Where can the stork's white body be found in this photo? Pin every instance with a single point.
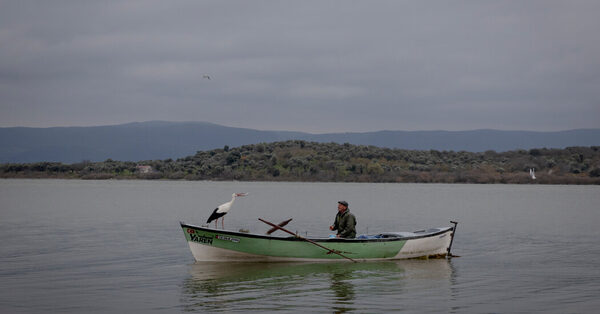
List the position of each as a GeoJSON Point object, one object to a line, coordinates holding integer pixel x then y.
{"type": "Point", "coordinates": [222, 209]}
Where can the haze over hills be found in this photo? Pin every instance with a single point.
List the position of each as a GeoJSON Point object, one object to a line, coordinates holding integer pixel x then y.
{"type": "Point", "coordinates": [162, 140]}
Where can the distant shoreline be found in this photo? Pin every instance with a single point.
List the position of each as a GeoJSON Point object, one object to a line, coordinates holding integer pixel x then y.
{"type": "Point", "coordinates": [108, 177]}
{"type": "Point", "coordinates": [300, 161]}
{"type": "Point", "coordinates": [565, 183]}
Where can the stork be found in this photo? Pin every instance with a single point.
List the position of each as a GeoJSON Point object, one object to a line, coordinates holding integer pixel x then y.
{"type": "Point", "coordinates": [222, 209]}
{"type": "Point", "coordinates": [532, 173]}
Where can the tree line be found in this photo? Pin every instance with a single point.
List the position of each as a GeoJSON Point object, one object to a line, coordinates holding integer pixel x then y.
{"type": "Point", "coordinates": [296, 160]}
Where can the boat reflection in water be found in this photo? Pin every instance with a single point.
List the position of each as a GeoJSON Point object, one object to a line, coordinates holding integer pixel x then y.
{"type": "Point", "coordinates": [333, 286]}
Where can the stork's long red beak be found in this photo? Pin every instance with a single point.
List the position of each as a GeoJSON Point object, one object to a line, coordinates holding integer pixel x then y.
{"type": "Point", "coordinates": [241, 194]}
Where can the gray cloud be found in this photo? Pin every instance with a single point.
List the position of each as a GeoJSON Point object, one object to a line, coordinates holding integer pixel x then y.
{"type": "Point", "coordinates": [313, 66]}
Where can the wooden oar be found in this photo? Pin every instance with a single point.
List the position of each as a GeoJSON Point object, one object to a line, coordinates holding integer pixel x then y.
{"type": "Point", "coordinates": [281, 224]}
{"type": "Point", "coordinates": [305, 239]}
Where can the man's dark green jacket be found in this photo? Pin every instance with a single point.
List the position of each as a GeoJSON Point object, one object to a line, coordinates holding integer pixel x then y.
{"type": "Point", "coordinates": [345, 224]}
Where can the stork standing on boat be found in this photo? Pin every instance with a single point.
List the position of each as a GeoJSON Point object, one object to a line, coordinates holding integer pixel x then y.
{"type": "Point", "coordinates": [222, 209]}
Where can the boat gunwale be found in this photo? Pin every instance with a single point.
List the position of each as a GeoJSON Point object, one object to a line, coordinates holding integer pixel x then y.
{"type": "Point", "coordinates": [329, 240]}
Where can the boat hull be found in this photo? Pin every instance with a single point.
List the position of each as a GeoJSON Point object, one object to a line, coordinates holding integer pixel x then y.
{"type": "Point", "coordinates": [209, 244]}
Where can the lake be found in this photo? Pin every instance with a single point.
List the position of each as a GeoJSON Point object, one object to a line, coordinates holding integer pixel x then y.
{"type": "Point", "coordinates": [73, 246]}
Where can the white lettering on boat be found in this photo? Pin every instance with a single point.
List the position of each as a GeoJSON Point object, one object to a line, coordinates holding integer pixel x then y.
{"type": "Point", "coordinates": [226, 238]}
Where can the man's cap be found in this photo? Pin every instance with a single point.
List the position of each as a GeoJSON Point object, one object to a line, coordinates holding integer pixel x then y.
{"type": "Point", "coordinates": [343, 203]}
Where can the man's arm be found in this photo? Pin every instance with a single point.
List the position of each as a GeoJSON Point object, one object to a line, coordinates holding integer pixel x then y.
{"type": "Point", "coordinates": [335, 225]}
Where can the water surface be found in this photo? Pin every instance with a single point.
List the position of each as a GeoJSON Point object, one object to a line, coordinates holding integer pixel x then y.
{"type": "Point", "coordinates": [116, 246]}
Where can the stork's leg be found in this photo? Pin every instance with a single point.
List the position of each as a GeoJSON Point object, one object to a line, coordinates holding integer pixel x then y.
{"type": "Point", "coordinates": [216, 220]}
{"type": "Point", "coordinates": [223, 222]}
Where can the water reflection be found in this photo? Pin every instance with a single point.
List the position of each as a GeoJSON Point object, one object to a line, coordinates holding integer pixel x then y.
{"type": "Point", "coordinates": [343, 288]}
{"type": "Point", "coordinates": [339, 287]}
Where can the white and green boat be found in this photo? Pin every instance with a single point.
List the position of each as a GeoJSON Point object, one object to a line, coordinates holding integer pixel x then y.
{"type": "Point", "coordinates": [208, 244]}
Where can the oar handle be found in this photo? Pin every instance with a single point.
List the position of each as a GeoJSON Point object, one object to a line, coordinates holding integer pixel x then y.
{"type": "Point", "coordinates": [277, 227]}
{"type": "Point", "coordinates": [305, 239]}
{"type": "Point", "coordinates": [281, 224]}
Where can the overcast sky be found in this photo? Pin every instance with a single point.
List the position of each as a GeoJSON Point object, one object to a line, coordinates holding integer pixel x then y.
{"type": "Point", "coordinates": [313, 66]}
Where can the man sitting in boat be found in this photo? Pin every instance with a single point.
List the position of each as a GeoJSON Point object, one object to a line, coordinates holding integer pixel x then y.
{"type": "Point", "coordinates": [345, 222]}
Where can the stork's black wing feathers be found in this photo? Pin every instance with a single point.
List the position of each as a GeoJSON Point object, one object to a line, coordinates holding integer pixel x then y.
{"type": "Point", "coordinates": [215, 215]}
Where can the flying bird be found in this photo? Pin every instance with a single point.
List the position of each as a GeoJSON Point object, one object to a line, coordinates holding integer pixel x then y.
{"type": "Point", "coordinates": [532, 173]}
{"type": "Point", "coordinates": [206, 76]}
{"type": "Point", "coordinates": [222, 209]}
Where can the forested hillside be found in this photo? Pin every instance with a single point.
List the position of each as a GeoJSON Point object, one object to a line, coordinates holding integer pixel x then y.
{"type": "Point", "coordinates": [327, 162]}
{"type": "Point", "coordinates": [161, 140]}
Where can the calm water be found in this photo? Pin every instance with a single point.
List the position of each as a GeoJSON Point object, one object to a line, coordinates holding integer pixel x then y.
{"type": "Point", "coordinates": [116, 246]}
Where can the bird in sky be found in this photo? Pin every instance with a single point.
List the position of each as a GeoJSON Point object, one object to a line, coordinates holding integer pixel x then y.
{"type": "Point", "coordinates": [206, 76]}
{"type": "Point", "coordinates": [222, 209]}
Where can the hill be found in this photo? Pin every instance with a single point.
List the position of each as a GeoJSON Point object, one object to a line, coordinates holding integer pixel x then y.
{"type": "Point", "coordinates": [162, 140]}
{"type": "Point", "coordinates": [330, 162]}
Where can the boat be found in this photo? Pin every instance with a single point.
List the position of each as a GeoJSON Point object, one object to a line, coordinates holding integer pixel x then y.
{"type": "Point", "coordinates": [213, 245]}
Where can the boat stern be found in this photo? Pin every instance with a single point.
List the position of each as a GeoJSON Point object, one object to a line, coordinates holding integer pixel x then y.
{"type": "Point", "coordinates": [436, 245]}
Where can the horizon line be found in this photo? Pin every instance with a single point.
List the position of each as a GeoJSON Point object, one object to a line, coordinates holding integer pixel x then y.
{"type": "Point", "coordinates": [292, 131]}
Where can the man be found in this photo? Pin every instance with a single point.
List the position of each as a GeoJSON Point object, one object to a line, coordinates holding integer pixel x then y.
{"type": "Point", "coordinates": [345, 222]}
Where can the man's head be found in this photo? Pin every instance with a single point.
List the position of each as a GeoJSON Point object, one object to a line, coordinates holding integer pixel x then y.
{"type": "Point", "coordinates": [342, 206]}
